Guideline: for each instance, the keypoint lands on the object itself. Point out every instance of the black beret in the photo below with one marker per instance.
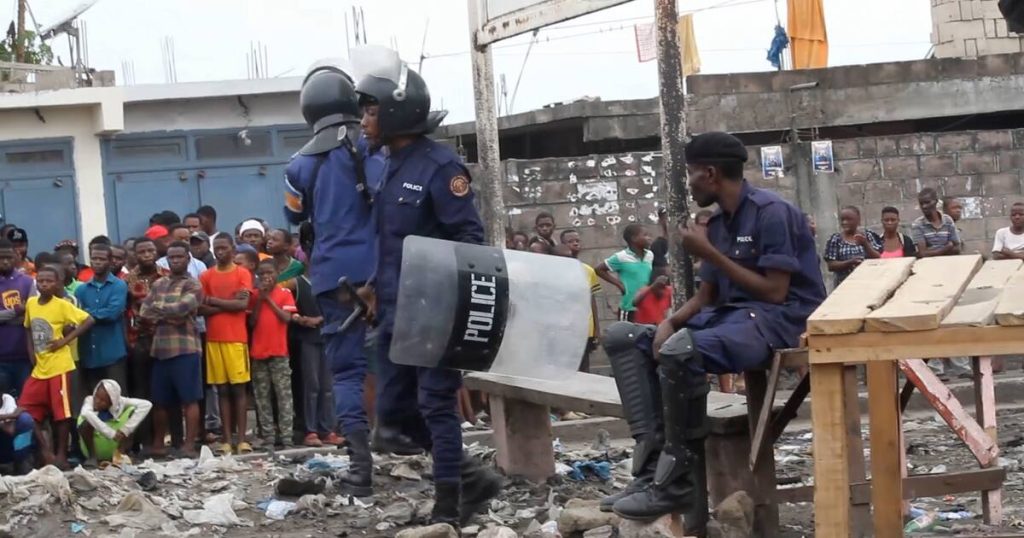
(715, 147)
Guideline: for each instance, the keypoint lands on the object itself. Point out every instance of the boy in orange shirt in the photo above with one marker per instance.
(274, 309)
(227, 289)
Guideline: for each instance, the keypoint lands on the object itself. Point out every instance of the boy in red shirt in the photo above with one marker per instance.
(653, 302)
(227, 289)
(274, 309)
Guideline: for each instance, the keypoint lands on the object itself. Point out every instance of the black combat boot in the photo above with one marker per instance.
(391, 440)
(680, 479)
(358, 479)
(446, 504)
(479, 486)
(640, 392)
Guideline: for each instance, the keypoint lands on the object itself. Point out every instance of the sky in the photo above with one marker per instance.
(593, 55)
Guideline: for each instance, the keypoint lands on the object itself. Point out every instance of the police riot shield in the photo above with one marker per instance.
(481, 308)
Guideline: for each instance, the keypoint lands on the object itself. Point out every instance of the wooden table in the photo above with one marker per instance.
(889, 314)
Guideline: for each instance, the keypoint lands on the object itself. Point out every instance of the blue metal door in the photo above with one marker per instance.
(140, 194)
(241, 192)
(45, 208)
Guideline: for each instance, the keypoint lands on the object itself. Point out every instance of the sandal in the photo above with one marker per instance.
(224, 449)
(244, 448)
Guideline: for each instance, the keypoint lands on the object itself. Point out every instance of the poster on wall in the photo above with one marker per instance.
(821, 153)
(771, 162)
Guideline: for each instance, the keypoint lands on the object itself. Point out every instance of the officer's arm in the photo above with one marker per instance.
(777, 258)
(452, 199)
(296, 209)
(705, 296)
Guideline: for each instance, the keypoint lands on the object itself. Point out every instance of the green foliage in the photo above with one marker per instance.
(36, 52)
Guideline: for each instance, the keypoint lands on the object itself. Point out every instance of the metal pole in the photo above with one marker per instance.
(491, 182)
(673, 140)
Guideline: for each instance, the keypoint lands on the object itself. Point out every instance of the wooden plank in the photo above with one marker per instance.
(914, 487)
(985, 410)
(939, 343)
(766, 510)
(791, 407)
(866, 289)
(860, 516)
(982, 446)
(761, 425)
(831, 478)
(886, 475)
(977, 304)
(522, 439)
(927, 296)
(1010, 310)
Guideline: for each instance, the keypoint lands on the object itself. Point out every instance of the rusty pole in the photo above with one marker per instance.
(491, 183)
(19, 34)
(673, 140)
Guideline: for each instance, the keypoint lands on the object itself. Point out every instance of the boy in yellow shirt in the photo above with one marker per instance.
(47, 391)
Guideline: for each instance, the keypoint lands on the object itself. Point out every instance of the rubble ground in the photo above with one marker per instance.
(225, 496)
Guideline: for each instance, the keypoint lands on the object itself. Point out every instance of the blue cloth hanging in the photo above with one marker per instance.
(779, 43)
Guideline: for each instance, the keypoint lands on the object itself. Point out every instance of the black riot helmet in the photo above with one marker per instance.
(328, 99)
(404, 103)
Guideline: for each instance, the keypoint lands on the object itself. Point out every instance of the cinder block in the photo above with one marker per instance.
(993, 206)
(917, 144)
(992, 140)
(868, 147)
(977, 163)
(851, 193)
(970, 48)
(1005, 183)
(972, 229)
(882, 192)
(1011, 160)
(845, 149)
(946, 13)
(886, 146)
(963, 186)
(859, 170)
(911, 187)
(950, 142)
(950, 49)
(961, 30)
(899, 167)
(999, 45)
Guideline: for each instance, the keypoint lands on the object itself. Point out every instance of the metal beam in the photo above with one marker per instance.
(538, 15)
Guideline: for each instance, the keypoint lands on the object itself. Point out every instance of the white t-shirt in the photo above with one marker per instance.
(1007, 239)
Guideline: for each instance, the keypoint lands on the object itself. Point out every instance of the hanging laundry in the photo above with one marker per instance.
(807, 34)
(688, 46)
(646, 42)
(779, 43)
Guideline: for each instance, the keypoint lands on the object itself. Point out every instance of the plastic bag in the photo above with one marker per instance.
(137, 512)
(217, 510)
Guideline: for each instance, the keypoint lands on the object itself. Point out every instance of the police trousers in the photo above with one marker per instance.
(421, 402)
(347, 360)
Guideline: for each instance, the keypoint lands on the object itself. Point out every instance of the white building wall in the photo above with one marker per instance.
(971, 28)
(215, 113)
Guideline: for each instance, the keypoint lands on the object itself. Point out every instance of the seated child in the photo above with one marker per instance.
(16, 428)
(107, 421)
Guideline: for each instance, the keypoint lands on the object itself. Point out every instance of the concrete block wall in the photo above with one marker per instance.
(971, 28)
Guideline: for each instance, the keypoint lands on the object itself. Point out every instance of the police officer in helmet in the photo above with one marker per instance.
(426, 192)
(328, 191)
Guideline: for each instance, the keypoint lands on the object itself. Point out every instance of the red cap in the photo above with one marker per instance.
(156, 232)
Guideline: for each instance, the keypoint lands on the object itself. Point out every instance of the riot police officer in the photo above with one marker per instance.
(328, 185)
(426, 191)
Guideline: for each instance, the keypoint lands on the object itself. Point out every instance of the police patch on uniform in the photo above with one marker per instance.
(459, 185)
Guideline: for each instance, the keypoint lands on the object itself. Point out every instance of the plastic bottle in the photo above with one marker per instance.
(921, 523)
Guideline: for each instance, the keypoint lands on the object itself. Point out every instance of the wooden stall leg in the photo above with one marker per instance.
(522, 438)
(985, 406)
(886, 475)
(760, 429)
(860, 514)
(831, 472)
(766, 516)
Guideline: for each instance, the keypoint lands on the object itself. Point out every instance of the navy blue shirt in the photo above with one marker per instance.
(767, 232)
(105, 301)
(425, 192)
(342, 219)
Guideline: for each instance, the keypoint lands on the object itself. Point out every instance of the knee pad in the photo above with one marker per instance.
(621, 337)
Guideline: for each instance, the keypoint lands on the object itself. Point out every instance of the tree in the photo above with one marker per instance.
(36, 51)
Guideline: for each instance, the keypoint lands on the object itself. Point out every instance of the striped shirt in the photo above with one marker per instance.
(924, 231)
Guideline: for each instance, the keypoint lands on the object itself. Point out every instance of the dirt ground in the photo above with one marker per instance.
(52, 504)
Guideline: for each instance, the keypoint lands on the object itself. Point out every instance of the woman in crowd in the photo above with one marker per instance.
(850, 246)
(894, 243)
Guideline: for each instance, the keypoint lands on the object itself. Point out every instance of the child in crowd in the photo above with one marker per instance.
(1009, 242)
(16, 429)
(654, 302)
(274, 309)
(632, 267)
(107, 422)
(227, 289)
(544, 225)
(249, 260)
(317, 381)
(47, 390)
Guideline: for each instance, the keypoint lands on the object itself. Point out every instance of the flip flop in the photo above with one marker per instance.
(244, 448)
(224, 449)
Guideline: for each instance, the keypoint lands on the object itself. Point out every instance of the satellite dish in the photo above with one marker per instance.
(52, 30)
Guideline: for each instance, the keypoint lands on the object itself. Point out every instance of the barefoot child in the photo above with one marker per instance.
(107, 422)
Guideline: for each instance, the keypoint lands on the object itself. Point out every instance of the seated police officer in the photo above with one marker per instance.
(760, 280)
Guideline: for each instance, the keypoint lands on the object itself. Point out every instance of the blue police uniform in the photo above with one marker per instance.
(323, 189)
(425, 192)
(739, 332)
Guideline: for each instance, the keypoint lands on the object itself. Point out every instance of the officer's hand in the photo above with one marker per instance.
(369, 297)
(661, 335)
(695, 240)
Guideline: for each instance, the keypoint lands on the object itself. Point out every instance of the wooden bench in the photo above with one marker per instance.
(522, 431)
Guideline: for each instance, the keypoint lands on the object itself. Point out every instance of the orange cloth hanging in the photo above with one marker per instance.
(688, 46)
(807, 35)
